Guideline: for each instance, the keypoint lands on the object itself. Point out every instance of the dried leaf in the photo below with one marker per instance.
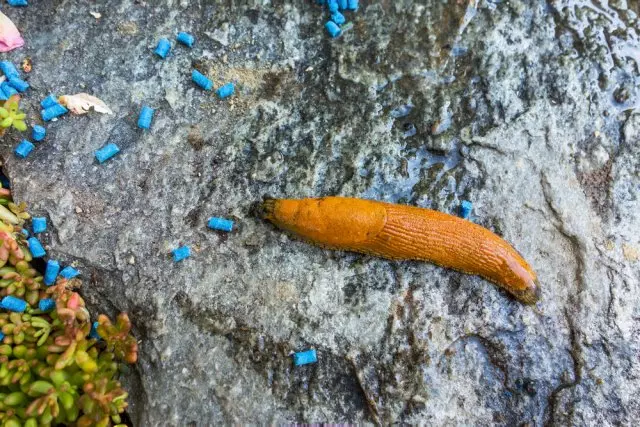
(81, 103)
(9, 35)
(27, 65)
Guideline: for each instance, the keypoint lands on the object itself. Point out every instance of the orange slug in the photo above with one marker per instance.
(406, 233)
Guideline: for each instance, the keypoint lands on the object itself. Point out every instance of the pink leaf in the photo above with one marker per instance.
(9, 35)
(74, 301)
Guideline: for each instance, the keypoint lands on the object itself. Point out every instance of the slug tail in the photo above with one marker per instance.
(529, 296)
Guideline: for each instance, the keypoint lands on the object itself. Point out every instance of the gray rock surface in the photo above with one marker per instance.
(530, 109)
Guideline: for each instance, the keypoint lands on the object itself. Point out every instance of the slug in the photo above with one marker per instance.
(402, 232)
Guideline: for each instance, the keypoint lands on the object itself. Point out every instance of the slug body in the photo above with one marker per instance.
(405, 232)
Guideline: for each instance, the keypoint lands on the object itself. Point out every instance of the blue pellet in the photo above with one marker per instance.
(3, 97)
(338, 18)
(107, 152)
(51, 273)
(352, 4)
(181, 253)
(8, 89)
(8, 69)
(305, 357)
(332, 29)
(49, 101)
(201, 80)
(12, 303)
(320, 1)
(25, 232)
(342, 4)
(1, 336)
(94, 331)
(465, 209)
(52, 112)
(4, 181)
(69, 272)
(333, 5)
(186, 39)
(24, 148)
(18, 84)
(220, 224)
(145, 117)
(35, 247)
(38, 133)
(163, 48)
(46, 304)
(17, 2)
(39, 224)
(226, 90)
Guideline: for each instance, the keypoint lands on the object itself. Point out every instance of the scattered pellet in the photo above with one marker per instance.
(53, 112)
(145, 117)
(39, 224)
(226, 90)
(338, 18)
(163, 48)
(186, 39)
(305, 357)
(69, 272)
(38, 133)
(12, 303)
(222, 224)
(201, 80)
(181, 253)
(24, 148)
(465, 209)
(8, 90)
(107, 152)
(51, 272)
(332, 29)
(46, 304)
(8, 69)
(18, 84)
(49, 101)
(35, 247)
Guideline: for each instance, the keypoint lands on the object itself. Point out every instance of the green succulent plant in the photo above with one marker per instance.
(52, 371)
(10, 115)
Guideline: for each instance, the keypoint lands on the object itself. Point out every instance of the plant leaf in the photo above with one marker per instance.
(7, 215)
(9, 35)
(12, 104)
(81, 103)
(20, 125)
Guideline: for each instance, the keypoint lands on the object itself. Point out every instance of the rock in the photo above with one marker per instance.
(221, 35)
(542, 141)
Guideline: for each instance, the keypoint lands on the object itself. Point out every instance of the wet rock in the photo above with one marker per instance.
(540, 142)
